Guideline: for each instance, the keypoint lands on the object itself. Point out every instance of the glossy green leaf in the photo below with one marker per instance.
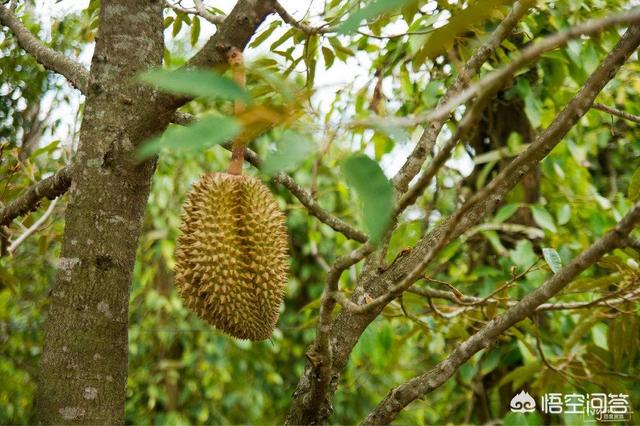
(552, 258)
(195, 83)
(374, 190)
(206, 132)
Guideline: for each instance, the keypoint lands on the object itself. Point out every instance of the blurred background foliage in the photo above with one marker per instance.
(181, 371)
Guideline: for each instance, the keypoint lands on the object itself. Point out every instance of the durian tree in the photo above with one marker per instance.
(461, 218)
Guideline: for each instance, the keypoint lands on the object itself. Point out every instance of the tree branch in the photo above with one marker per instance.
(419, 386)
(200, 10)
(526, 55)
(349, 326)
(464, 300)
(51, 188)
(617, 112)
(52, 60)
(33, 228)
(414, 162)
(485, 200)
(289, 19)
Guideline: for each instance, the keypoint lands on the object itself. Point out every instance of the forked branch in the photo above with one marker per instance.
(419, 386)
(51, 59)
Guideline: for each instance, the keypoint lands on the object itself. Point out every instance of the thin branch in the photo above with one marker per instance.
(200, 10)
(321, 355)
(419, 386)
(465, 300)
(466, 125)
(51, 59)
(414, 162)
(289, 19)
(51, 188)
(527, 55)
(617, 112)
(492, 195)
(33, 228)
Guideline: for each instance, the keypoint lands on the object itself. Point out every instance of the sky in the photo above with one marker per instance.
(352, 75)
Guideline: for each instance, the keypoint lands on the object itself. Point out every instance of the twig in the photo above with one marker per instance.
(321, 354)
(526, 55)
(617, 112)
(414, 161)
(289, 19)
(33, 228)
(51, 188)
(419, 386)
(51, 59)
(200, 11)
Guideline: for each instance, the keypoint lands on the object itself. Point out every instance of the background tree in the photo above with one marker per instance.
(498, 255)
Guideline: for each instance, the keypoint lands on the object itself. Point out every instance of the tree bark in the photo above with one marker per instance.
(83, 368)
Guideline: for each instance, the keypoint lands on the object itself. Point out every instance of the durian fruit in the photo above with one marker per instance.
(231, 257)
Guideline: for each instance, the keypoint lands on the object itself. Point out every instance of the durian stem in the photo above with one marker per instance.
(236, 61)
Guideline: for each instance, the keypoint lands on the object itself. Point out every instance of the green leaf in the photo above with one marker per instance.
(505, 213)
(523, 255)
(564, 214)
(441, 39)
(265, 34)
(374, 190)
(195, 83)
(372, 10)
(328, 56)
(292, 149)
(552, 258)
(634, 186)
(205, 133)
(543, 218)
(195, 31)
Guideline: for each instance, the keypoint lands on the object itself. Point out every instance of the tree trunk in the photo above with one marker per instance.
(83, 368)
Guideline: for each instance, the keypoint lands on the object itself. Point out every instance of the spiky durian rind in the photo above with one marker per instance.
(231, 257)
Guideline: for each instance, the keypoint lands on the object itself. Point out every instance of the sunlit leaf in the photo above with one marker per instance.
(195, 83)
(370, 11)
(206, 132)
(374, 190)
(441, 39)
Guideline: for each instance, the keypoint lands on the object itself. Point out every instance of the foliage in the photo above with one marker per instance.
(182, 371)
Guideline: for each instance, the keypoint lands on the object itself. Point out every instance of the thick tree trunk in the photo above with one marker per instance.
(83, 369)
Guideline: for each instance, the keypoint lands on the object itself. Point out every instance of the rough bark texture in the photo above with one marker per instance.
(348, 326)
(83, 369)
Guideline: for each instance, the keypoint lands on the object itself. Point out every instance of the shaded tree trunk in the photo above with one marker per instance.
(83, 369)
